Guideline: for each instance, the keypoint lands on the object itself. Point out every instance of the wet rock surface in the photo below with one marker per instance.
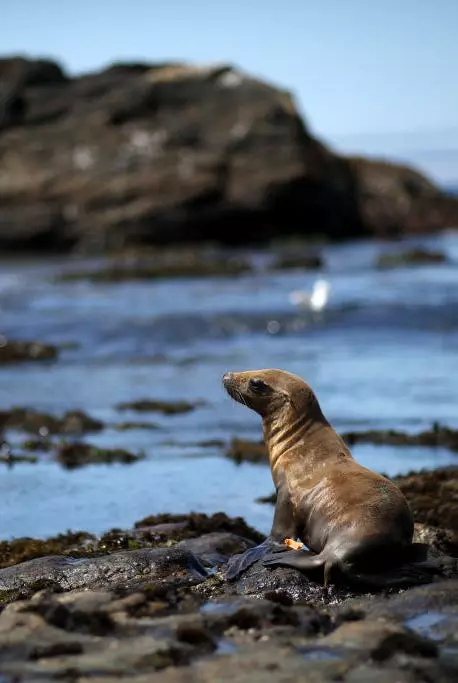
(174, 153)
(12, 351)
(151, 532)
(164, 612)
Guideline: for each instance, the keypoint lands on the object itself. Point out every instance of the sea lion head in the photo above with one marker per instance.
(270, 391)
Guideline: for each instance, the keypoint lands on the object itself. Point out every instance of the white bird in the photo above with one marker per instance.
(315, 300)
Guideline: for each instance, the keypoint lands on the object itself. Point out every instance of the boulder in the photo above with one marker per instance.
(174, 153)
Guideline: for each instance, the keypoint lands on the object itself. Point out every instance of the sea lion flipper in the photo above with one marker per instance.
(302, 560)
(241, 562)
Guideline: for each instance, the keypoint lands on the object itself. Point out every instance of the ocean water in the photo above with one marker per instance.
(383, 354)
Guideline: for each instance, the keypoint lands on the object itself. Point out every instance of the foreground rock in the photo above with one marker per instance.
(161, 612)
(165, 153)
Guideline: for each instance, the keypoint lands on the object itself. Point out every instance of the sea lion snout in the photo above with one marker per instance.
(257, 389)
(228, 378)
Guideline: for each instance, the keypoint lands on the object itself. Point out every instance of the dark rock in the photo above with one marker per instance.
(242, 450)
(73, 455)
(395, 199)
(29, 420)
(272, 499)
(411, 257)
(7, 457)
(13, 459)
(437, 436)
(164, 263)
(23, 351)
(155, 406)
(197, 524)
(125, 426)
(43, 445)
(164, 407)
(174, 153)
(218, 534)
(297, 258)
(22, 549)
(149, 564)
(433, 498)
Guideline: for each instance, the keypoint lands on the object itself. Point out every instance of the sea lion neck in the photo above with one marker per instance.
(289, 427)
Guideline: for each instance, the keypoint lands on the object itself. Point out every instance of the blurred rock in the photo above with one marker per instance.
(395, 200)
(411, 257)
(36, 422)
(73, 455)
(173, 153)
(12, 351)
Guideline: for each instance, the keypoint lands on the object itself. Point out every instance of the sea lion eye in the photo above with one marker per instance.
(257, 386)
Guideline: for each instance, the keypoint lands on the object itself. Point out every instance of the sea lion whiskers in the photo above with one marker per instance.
(241, 398)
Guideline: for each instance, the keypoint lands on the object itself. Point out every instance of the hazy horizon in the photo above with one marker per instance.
(368, 78)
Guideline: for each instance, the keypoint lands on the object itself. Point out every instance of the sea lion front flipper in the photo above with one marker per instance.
(240, 563)
(283, 527)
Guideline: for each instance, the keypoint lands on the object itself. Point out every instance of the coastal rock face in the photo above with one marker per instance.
(395, 199)
(152, 154)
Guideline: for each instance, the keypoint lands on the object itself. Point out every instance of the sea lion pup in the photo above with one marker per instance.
(350, 518)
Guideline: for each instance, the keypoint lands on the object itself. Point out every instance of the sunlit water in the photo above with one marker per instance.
(382, 354)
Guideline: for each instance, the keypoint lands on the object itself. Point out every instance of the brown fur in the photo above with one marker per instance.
(347, 514)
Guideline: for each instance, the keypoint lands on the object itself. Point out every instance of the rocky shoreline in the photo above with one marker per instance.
(150, 154)
(152, 603)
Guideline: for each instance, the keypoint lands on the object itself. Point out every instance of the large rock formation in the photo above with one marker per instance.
(166, 153)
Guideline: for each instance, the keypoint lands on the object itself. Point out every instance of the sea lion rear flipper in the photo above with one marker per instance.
(302, 560)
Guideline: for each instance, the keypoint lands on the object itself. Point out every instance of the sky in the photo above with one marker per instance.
(370, 76)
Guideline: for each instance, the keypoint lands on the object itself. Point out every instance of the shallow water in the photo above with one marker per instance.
(382, 354)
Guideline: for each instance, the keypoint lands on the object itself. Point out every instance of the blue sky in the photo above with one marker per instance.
(376, 76)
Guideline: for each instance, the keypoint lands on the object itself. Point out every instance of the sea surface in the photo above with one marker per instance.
(382, 354)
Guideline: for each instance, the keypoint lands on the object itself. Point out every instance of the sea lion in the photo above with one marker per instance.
(349, 517)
